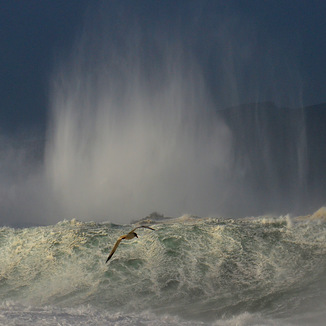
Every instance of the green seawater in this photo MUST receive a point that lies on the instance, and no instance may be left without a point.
(197, 269)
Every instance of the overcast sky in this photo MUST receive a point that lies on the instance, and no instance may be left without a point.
(34, 32)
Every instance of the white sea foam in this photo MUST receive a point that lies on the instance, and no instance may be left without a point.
(12, 314)
(228, 272)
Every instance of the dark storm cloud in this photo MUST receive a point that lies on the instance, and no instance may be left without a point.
(31, 33)
(34, 32)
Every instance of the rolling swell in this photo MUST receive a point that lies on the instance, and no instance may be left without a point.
(195, 268)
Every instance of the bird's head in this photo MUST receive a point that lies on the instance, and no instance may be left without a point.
(135, 234)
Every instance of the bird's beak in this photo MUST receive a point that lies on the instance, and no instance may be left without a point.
(136, 236)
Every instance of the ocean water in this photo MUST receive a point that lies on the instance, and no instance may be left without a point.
(189, 271)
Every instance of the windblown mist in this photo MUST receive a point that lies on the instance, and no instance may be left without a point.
(129, 137)
(139, 122)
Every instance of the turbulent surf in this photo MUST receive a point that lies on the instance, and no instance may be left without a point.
(190, 271)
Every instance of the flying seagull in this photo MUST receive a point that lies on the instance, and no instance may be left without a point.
(127, 236)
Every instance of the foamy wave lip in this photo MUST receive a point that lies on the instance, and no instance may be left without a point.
(158, 218)
(319, 215)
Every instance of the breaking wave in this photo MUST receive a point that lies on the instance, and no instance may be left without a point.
(190, 269)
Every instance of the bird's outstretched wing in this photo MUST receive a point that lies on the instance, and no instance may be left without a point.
(128, 237)
(142, 226)
(115, 248)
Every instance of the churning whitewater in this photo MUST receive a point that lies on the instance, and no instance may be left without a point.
(190, 271)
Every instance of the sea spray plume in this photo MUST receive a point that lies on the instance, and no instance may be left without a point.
(127, 236)
(134, 128)
(134, 132)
